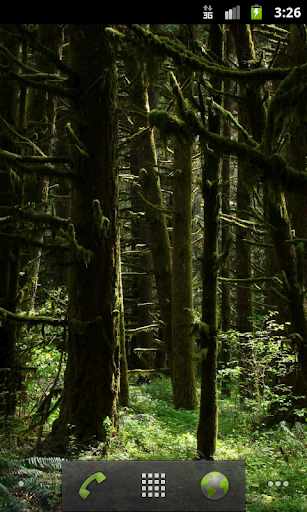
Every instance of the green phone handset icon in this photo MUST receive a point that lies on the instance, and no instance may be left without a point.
(83, 492)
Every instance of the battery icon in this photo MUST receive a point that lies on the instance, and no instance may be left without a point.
(256, 12)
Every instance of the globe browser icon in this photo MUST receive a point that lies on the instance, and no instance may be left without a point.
(214, 485)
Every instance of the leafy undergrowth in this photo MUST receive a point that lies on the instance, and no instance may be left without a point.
(30, 485)
(151, 429)
(275, 460)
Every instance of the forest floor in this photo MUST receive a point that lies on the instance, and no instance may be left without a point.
(152, 429)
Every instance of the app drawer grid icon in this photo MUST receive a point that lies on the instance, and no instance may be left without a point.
(153, 485)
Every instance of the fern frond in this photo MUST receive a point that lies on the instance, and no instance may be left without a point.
(45, 462)
(28, 472)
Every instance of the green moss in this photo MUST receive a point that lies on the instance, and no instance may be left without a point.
(200, 328)
(76, 141)
(167, 124)
(285, 101)
(182, 104)
(83, 255)
(14, 178)
(201, 355)
(285, 282)
(137, 36)
(101, 223)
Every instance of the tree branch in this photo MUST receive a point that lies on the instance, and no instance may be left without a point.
(144, 328)
(34, 320)
(23, 240)
(262, 167)
(48, 87)
(32, 159)
(40, 218)
(164, 46)
(246, 280)
(45, 170)
(53, 56)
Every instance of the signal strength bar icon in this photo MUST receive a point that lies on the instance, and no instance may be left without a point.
(233, 14)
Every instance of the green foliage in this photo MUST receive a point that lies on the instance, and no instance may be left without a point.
(23, 485)
(41, 361)
(9, 501)
(44, 361)
(45, 462)
(270, 361)
(270, 455)
(152, 429)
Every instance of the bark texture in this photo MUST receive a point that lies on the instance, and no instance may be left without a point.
(208, 414)
(92, 375)
(184, 387)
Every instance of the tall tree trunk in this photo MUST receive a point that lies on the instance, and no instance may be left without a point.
(124, 395)
(184, 384)
(208, 414)
(92, 375)
(245, 52)
(142, 285)
(159, 244)
(158, 238)
(225, 303)
(297, 206)
(225, 228)
(252, 124)
(297, 149)
(9, 250)
(145, 298)
(40, 120)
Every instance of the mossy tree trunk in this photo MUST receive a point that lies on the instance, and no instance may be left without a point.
(145, 300)
(297, 149)
(297, 207)
(9, 250)
(92, 375)
(225, 302)
(40, 122)
(155, 217)
(142, 285)
(160, 247)
(124, 394)
(208, 414)
(184, 386)
(225, 227)
(251, 118)
(245, 52)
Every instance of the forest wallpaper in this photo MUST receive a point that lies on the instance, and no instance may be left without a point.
(153, 235)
